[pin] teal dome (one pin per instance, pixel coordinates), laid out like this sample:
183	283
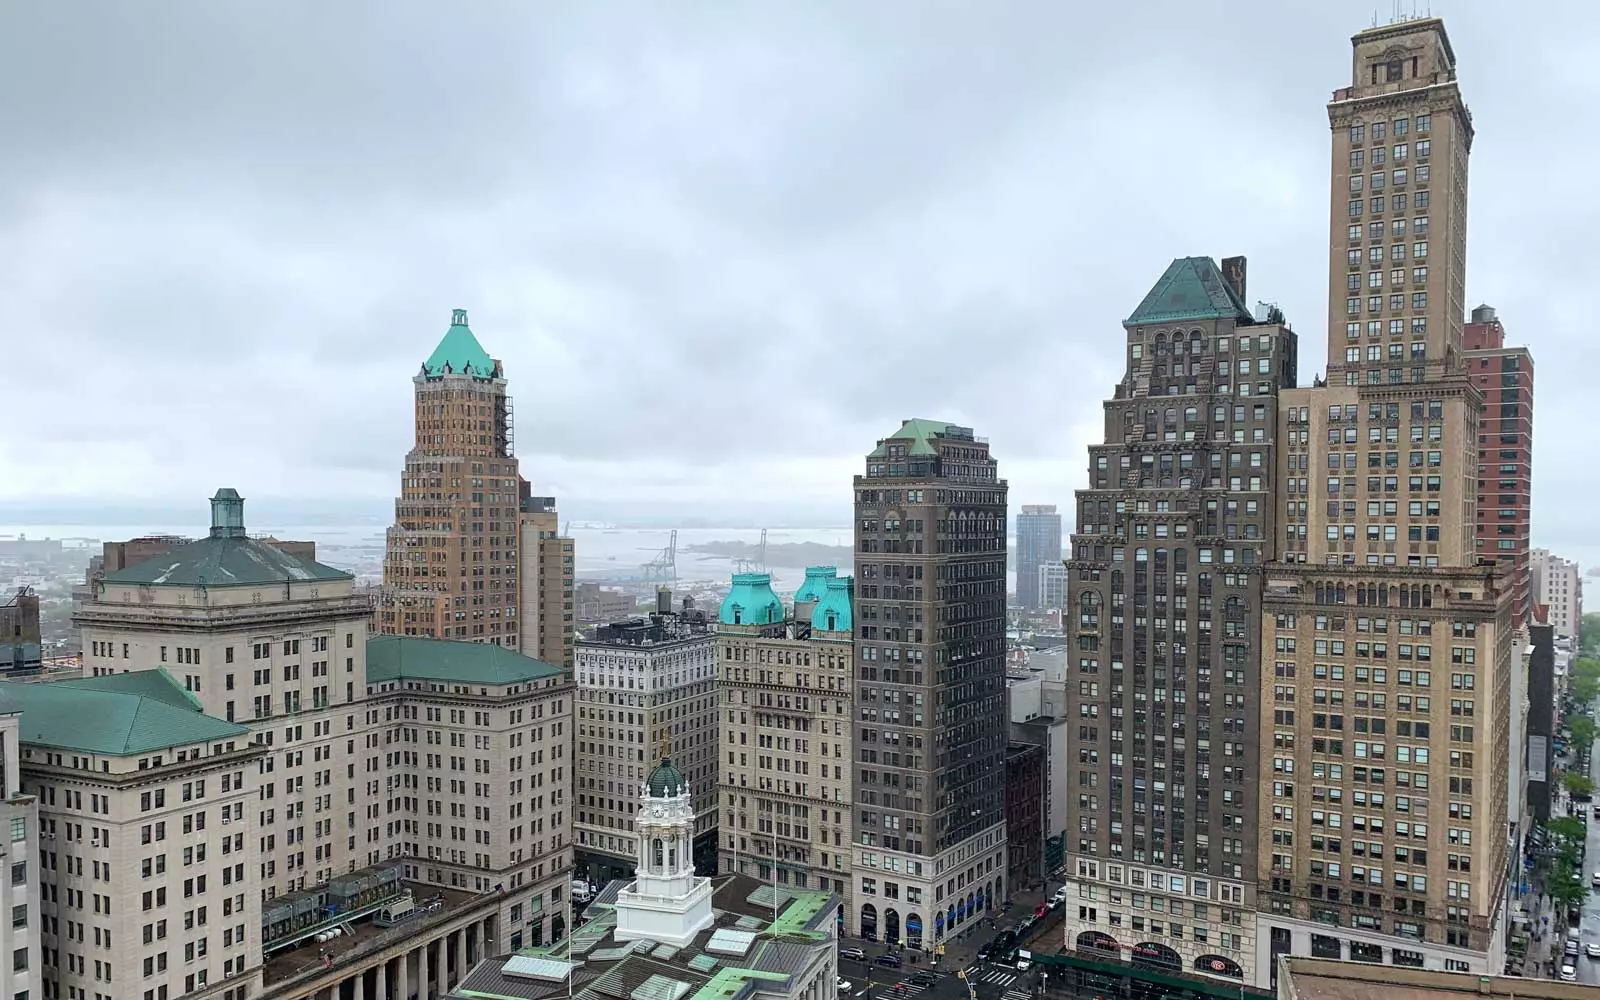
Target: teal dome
666	781
833	612
751	601
816	584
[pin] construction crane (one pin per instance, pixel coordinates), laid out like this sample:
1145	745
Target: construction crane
756	565
663	569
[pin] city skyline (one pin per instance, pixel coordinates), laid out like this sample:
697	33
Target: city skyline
371	309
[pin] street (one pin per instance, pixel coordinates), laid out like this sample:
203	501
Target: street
990	982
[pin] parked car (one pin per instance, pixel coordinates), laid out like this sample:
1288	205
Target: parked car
844	986
892	961
1569	974
1592	949
855	954
1060	896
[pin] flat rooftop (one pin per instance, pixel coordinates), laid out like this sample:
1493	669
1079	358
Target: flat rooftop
1326	979
308	955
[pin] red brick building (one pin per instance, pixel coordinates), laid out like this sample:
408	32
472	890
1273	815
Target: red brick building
1505	450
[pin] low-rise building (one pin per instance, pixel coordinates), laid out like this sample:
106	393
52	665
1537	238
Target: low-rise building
21	645
668	932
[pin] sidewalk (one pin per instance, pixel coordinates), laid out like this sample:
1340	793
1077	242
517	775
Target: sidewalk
961	949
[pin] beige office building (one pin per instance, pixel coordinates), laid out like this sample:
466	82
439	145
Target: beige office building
1558	585
642	683
19	845
1384	722
784	769
411	789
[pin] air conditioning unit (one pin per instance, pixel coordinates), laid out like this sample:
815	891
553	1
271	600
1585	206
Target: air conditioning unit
227	975
226	821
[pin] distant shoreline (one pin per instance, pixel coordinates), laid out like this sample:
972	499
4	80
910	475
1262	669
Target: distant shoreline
793	555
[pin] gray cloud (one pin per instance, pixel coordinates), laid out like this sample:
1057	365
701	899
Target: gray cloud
746	236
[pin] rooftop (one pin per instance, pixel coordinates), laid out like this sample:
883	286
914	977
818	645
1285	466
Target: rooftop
745	950
459	353
226	557
922	434
1191	288
1328	979
405	657
751	601
117	715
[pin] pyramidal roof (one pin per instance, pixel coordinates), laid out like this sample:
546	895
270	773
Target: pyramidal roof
1191	288
459	352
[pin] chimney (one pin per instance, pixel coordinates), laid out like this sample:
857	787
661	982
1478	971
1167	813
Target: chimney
1233	270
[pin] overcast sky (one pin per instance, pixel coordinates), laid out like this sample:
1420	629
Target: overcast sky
721	247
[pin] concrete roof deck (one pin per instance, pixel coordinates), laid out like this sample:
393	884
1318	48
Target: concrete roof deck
307	956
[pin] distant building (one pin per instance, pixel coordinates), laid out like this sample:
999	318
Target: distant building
603	604
1052	585
1025	803
1558	585
1038	544
1505	451
786	776
21	648
473	555
643	683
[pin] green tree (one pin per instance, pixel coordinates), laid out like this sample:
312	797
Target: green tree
1563	887
1577	784
1568	828
1583	731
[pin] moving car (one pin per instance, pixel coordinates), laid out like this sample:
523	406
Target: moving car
844	986
1592	949
1060	896
922	977
1023	960
855	954
1569	974
893	961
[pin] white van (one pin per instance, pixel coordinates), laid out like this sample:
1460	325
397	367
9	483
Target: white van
581	890
1024	960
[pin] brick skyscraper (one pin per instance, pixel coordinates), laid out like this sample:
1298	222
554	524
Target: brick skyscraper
1505	452
469	540
1163	595
1384	726
930	671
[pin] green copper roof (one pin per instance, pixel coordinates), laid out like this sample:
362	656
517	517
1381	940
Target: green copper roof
1191	288
227	557
396	657
459	352
816	584
920	431
666	781
751	601
833	612
114	716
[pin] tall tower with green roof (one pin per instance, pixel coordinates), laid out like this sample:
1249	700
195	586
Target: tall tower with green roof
456	566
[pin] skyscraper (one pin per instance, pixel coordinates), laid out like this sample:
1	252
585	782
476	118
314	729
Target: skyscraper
930	617
1382	825
1038	543
1505	452
472	555
1173	530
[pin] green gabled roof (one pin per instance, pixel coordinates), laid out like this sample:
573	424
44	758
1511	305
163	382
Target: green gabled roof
407	657
157	684
920	431
460	352
92	715
1191	288
227	561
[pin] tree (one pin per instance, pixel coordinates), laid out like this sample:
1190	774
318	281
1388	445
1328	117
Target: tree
1563	887
1568	828
1577	785
1583	731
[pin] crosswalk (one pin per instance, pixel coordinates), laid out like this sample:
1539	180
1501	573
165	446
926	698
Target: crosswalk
1016	994
992	974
